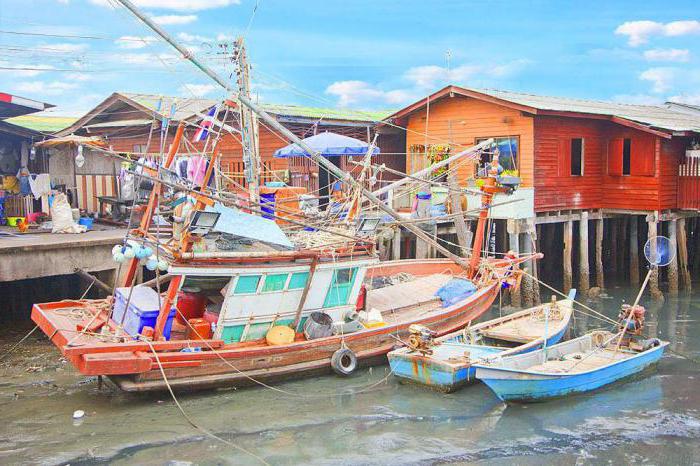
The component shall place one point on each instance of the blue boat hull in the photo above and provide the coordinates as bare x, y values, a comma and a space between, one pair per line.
533, 386
442, 376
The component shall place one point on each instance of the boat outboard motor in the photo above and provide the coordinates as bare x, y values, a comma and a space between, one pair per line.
421, 339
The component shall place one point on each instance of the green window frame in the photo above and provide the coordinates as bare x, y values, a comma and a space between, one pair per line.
298, 280
339, 291
274, 282
247, 284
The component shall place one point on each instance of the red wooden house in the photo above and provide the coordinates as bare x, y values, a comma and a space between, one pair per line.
131, 124
578, 159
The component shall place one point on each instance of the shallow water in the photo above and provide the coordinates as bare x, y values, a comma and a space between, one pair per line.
367, 419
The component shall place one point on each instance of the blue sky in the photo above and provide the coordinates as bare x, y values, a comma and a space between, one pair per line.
360, 54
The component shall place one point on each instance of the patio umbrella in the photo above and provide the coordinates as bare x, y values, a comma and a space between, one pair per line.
328, 145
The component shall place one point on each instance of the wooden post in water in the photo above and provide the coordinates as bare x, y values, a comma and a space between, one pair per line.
456, 204
530, 287
599, 274
584, 271
672, 268
513, 238
683, 254
568, 248
654, 275
613, 227
634, 251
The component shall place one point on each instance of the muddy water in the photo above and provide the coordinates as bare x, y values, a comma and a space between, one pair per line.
328, 420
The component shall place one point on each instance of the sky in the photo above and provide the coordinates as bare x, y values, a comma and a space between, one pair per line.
353, 53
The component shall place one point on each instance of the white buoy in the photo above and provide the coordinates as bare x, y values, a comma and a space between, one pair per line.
78, 414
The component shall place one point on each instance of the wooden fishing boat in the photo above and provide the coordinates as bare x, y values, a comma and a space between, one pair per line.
135, 365
576, 366
446, 363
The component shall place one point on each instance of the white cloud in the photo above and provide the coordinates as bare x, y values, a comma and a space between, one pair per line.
198, 90
421, 79
134, 42
64, 47
168, 20
692, 99
661, 78
23, 70
677, 55
638, 32
187, 37
45, 88
144, 58
639, 99
177, 5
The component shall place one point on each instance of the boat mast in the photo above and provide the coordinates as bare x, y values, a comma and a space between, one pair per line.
275, 125
249, 124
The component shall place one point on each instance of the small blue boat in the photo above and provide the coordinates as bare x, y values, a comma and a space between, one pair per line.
445, 364
576, 366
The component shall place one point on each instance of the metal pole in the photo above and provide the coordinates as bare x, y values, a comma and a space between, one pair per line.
289, 135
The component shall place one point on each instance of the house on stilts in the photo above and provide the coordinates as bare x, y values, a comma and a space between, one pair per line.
598, 178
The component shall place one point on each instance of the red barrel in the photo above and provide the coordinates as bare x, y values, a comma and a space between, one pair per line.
190, 306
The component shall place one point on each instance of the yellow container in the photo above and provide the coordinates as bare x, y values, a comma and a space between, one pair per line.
13, 221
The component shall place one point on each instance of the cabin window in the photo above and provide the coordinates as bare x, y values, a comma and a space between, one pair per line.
507, 152
626, 156
298, 280
274, 282
577, 157
247, 284
339, 291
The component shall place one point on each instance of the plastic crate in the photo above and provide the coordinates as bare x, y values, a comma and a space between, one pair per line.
143, 310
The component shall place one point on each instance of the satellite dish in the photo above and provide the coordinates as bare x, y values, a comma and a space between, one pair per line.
659, 251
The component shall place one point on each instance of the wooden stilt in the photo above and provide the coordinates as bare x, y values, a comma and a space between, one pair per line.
672, 268
396, 244
568, 248
654, 277
621, 246
599, 274
422, 249
682, 236
634, 251
612, 228
530, 287
515, 247
584, 283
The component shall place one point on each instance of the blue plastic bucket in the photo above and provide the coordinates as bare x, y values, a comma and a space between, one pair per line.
267, 204
87, 221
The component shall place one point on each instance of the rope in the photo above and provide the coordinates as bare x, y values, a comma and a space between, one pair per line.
189, 419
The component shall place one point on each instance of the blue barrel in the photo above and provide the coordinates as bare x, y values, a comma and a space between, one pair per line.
267, 202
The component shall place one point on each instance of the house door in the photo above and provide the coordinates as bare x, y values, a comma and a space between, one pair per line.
339, 291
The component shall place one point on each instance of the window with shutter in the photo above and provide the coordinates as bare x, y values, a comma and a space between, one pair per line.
643, 156
576, 157
615, 149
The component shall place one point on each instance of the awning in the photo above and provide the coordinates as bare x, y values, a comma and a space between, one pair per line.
94, 141
328, 145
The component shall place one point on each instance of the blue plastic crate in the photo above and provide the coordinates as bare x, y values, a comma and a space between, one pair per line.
143, 310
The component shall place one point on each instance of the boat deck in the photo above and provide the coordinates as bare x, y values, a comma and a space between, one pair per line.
581, 362
522, 330
417, 292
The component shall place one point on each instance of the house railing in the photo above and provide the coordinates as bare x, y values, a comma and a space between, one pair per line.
689, 184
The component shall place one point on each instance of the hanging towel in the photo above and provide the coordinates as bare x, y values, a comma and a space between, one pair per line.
41, 185
196, 169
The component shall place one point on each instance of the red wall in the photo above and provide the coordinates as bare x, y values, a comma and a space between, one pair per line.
557, 189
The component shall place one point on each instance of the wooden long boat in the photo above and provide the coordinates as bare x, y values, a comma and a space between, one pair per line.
136, 365
580, 365
447, 363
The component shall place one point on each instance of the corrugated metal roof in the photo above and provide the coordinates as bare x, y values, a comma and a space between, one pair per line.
187, 107
42, 123
655, 116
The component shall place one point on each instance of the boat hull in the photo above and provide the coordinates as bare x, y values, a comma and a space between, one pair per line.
133, 366
522, 386
444, 377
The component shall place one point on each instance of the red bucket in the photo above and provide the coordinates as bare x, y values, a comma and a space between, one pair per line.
190, 306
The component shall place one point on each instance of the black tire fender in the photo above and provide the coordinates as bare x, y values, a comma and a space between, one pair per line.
344, 362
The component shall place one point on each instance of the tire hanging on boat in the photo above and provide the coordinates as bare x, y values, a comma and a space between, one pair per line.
344, 362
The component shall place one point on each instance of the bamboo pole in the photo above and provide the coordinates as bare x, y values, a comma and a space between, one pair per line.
654, 271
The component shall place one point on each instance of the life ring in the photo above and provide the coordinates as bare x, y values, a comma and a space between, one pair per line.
344, 362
